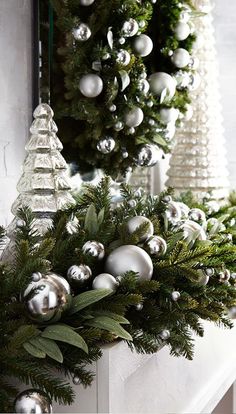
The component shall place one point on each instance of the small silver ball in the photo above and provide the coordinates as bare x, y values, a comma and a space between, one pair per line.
148, 155
123, 57
150, 104
79, 275
139, 307
157, 246
81, 32
106, 145
125, 154
224, 276
132, 203
118, 126
196, 214
131, 130
175, 296
105, 281
112, 108
122, 40
130, 28
20, 223
165, 334
151, 122
36, 276
76, 380
94, 249
86, 2
142, 23
143, 86
210, 271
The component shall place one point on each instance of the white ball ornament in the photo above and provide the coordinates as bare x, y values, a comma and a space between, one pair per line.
129, 258
180, 58
168, 115
182, 31
86, 2
134, 117
135, 222
105, 281
143, 45
91, 85
160, 81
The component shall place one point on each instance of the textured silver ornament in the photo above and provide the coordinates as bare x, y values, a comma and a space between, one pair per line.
94, 248
173, 212
106, 145
224, 276
169, 115
193, 231
82, 32
50, 296
148, 155
105, 281
86, 2
157, 246
79, 275
91, 85
137, 221
143, 45
182, 31
32, 401
130, 28
180, 58
175, 295
165, 334
198, 215
123, 57
72, 226
161, 82
134, 117
129, 258
203, 278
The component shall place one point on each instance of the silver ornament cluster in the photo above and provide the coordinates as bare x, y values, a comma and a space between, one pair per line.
94, 249
32, 401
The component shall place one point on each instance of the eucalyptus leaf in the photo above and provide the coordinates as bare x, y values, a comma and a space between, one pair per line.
159, 140
109, 324
91, 220
49, 347
65, 334
85, 299
101, 215
112, 315
34, 351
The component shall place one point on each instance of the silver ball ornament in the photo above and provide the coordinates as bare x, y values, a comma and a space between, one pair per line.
129, 258
94, 248
143, 86
160, 81
81, 32
32, 401
175, 295
123, 57
134, 117
112, 108
76, 380
173, 212
224, 276
180, 58
165, 334
193, 231
194, 81
130, 28
118, 126
209, 271
132, 203
148, 155
91, 85
79, 275
105, 281
36, 276
157, 246
137, 221
122, 40
131, 130
139, 307
106, 145
203, 278
196, 214
182, 31
86, 2
143, 45
169, 115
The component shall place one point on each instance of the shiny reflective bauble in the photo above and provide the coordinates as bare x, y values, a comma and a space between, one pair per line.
157, 246
175, 296
214, 225
106, 145
209, 271
123, 57
81, 32
76, 380
50, 296
182, 31
148, 155
132, 203
79, 275
94, 248
135, 222
134, 117
105, 281
139, 307
173, 212
169, 115
36, 276
91, 85
112, 108
212, 206
118, 126
130, 28
143, 45
203, 278
143, 86
160, 81
180, 58
224, 276
165, 334
184, 209
193, 231
32, 401
86, 2
129, 258
196, 214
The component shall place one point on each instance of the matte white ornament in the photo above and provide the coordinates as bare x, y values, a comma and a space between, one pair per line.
130, 258
134, 117
161, 81
105, 281
169, 115
91, 85
135, 222
143, 45
182, 31
180, 58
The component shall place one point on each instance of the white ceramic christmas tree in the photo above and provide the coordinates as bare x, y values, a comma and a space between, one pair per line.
198, 161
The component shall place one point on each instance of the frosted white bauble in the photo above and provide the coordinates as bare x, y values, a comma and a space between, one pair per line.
169, 115
143, 45
182, 31
180, 58
91, 85
134, 117
159, 81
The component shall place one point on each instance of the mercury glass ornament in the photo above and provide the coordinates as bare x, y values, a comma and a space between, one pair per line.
129, 258
106, 145
72, 226
161, 81
148, 155
105, 281
135, 222
224, 276
169, 115
91, 85
79, 276
82, 32
134, 117
196, 214
48, 297
123, 57
203, 278
180, 58
143, 86
86, 2
193, 231
175, 296
143, 45
165, 334
94, 248
157, 246
130, 28
182, 31
173, 212
32, 401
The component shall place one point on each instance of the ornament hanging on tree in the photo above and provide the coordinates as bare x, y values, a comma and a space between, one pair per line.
173, 212
106, 145
78, 276
86, 2
203, 278
134, 117
165, 334
148, 155
143, 86
175, 296
169, 115
135, 222
180, 58
32, 401
182, 31
161, 81
130, 28
81, 32
196, 214
105, 281
143, 45
193, 231
94, 249
157, 246
72, 226
224, 276
123, 57
91, 85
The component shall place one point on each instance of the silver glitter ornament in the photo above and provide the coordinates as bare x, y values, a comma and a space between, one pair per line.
106, 145
76, 380
180, 58
129, 258
148, 155
143, 45
192, 231
32, 401
175, 296
79, 275
82, 32
165, 334
196, 214
203, 278
137, 221
161, 82
123, 57
72, 226
105, 281
86, 2
157, 246
130, 28
94, 248
50, 296
91, 85
173, 212
224, 276
134, 117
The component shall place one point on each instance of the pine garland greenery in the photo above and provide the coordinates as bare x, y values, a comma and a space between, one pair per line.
74, 338
83, 122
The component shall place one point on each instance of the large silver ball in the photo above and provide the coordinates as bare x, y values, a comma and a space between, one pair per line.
105, 281
50, 296
106, 145
168, 115
94, 248
180, 58
91, 85
81, 32
143, 45
160, 81
86, 2
134, 117
182, 31
123, 57
32, 401
135, 222
130, 28
129, 258
78, 276
148, 155
157, 246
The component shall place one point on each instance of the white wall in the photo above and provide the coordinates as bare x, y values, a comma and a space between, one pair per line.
15, 98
